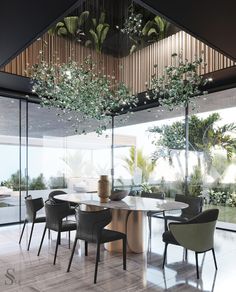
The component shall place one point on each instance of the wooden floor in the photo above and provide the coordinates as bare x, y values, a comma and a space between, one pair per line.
24, 271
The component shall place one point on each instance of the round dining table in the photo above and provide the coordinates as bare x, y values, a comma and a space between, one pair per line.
128, 216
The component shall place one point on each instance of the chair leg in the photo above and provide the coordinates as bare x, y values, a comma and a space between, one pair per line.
22, 231
49, 234
31, 232
69, 239
196, 257
58, 240
96, 265
164, 257
165, 224
86, 248
214, 256
124, 253
72, 254
150, 226
41, 243
186, 254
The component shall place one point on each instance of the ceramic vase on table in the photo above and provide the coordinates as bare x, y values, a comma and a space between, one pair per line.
104, 188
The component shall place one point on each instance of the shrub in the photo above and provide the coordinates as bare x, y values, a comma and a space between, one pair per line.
232, 200
15, 183
195, 182
57, 182
218, 198
38, 183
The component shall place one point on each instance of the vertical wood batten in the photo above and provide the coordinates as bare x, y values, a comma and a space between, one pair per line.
140, 64
137, 68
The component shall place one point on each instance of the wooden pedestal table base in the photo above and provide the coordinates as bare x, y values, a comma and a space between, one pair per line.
133, 223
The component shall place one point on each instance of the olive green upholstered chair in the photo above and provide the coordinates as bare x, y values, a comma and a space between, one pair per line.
196, 234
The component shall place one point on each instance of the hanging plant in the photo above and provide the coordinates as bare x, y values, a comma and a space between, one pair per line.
98, 32
142, 32
80, 91
179, 84
71, 26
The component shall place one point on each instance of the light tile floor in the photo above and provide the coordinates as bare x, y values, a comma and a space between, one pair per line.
24, 271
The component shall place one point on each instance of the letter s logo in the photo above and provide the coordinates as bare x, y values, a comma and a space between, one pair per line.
10, 277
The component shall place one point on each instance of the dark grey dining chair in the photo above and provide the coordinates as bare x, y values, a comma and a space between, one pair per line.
52, 198
32, 208
153, 214
196, 234
52, 195
56, 220
90, 228
195, 205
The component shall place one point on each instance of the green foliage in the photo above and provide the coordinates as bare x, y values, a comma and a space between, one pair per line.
141, 31
15, 182
57, 182
220, 163
231, 202
170, 136
141, 161
179, 83
82, 28
195, 182
98, 32
71, 26
162, 27
146, 188
204, 135
218, 197
38, 183
81, 89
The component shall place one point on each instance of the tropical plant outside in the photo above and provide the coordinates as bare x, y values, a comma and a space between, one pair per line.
205, 135
135, 159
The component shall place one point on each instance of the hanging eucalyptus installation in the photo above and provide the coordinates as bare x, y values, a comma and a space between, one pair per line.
180, 84
142, 30
81, 92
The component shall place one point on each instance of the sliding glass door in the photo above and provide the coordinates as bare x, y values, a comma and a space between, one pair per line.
12, 158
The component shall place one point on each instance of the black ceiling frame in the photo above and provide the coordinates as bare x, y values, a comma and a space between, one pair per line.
155, 11
38, 34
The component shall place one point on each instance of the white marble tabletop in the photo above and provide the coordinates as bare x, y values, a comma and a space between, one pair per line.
128, 203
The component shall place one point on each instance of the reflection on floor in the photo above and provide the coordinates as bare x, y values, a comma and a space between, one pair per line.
24, 271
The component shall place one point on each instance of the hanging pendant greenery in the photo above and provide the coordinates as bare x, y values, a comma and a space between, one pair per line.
83, 91
180, 83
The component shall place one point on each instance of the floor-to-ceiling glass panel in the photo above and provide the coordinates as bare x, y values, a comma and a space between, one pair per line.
213, 147
9, 160
150, 154
58, 158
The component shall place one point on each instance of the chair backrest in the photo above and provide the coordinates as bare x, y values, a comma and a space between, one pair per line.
159, 195
196, 234
91, 223
194, 208
32, 206
56, 193
55, 213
